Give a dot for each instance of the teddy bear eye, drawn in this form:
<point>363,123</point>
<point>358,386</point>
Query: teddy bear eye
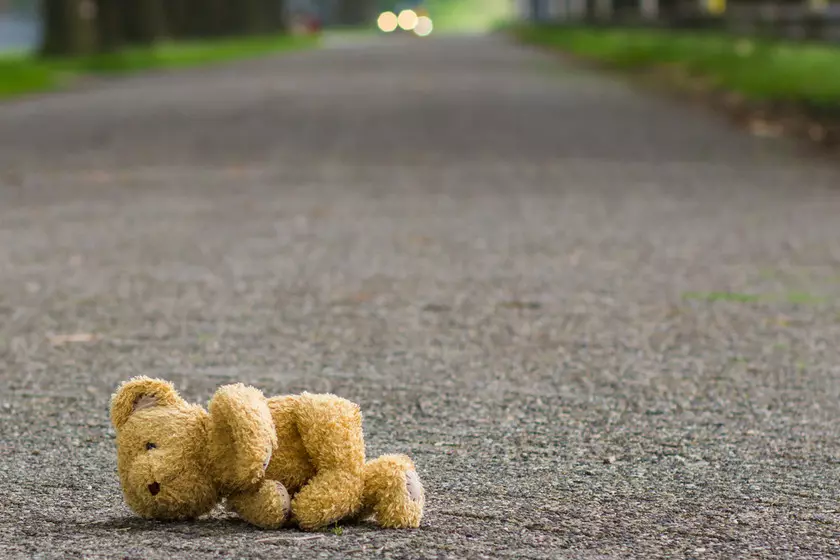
<point>150,446</point>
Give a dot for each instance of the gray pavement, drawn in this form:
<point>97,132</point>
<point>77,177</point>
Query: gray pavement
<point>605,325</point>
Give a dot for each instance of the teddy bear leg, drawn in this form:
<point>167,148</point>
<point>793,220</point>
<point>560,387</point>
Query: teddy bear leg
<point>331,431</point>
<point>393,492</point>
<point>330,496</point>
<point>268,506</point>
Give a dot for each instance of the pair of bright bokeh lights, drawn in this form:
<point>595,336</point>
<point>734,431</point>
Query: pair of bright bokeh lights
<point>407,20</point>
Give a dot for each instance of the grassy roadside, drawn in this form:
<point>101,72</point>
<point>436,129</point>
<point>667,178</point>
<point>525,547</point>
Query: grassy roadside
<point>759,70</point>
<point>22,73</point>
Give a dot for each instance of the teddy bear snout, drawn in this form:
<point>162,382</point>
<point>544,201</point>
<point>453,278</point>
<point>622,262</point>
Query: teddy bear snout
<point>154,488</point>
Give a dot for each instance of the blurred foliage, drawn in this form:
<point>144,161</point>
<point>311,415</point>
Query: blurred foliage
<point>468,15</point>
<point>759,69</point>
<point>25,74</point>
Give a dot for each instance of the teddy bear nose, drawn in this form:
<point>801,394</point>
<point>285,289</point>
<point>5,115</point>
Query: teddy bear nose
<point>154,488</point>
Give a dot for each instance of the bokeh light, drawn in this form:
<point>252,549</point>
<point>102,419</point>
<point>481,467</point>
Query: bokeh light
<point>424,26</point>
<point>387,22</point>
<point>408,20</point>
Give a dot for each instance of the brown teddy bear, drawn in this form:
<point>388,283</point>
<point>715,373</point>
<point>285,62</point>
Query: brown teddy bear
<point>295,459</point>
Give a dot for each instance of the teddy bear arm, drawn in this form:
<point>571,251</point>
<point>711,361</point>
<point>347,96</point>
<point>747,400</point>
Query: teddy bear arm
<point>242,437</point>
<point>268,506</point>
<point>290,463</point>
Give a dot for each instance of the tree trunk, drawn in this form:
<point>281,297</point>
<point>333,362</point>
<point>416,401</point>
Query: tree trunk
<point>143,21</point>
<point>225,17</point>
<point>591,13</point>
<point>354,12</point>
<point>200,18</point>
<point>257,17</point>
<point>275,14</point>
<point>68,27</point>
<point>243,17</point>
<point>109,27</point>
<point>176,18</point>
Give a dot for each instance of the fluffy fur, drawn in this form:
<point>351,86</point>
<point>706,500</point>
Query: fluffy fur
<point>286,460</point>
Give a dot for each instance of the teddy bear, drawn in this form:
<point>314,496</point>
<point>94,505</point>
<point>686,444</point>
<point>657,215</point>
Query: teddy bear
<point>292,460</point>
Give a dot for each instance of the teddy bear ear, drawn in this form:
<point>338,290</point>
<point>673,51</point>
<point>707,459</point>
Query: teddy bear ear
<point>140,393</point>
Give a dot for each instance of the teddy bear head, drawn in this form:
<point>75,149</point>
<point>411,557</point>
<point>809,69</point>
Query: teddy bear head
<point>176,460</point>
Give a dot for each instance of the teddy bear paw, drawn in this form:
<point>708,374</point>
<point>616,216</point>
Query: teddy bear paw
<point>414,486</point>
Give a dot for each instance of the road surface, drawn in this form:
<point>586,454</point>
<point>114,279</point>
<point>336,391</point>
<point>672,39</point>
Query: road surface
<point>605,325</point>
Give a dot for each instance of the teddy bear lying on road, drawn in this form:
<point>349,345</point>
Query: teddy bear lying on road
<point>286,460</point>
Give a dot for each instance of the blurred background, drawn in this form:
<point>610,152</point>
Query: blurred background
<point>63,26</point>
<point>46,43</point>
<point>79,25</point>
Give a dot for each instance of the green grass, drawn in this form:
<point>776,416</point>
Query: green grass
<point>759,69</point>
<point>804,298</point>
<point>722,296</point>
<point>21,73</point>
<point>795,298</point>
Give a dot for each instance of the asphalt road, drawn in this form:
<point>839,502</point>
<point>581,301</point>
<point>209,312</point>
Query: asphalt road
<point>605,325</point>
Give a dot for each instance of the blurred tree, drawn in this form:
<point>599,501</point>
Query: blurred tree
<point>79,26</point>
<point>177,18</point>
<point>143,21</point>
<point>237,17</point>
<point>355,12</point>
<point>68,27</point>
<point>109,25</point>
<point>208,18</point>
<point>591,11</point>
<point>275,15</point>
<point>250,17</point>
